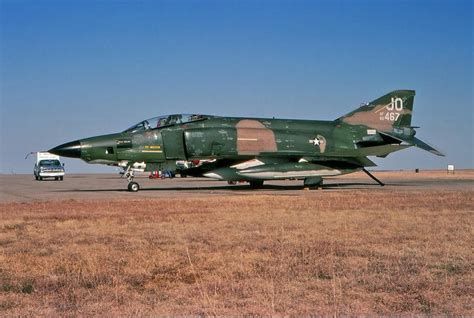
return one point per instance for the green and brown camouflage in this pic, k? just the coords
(257, 149)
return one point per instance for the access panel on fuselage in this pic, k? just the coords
(210, 142)
(173, 142)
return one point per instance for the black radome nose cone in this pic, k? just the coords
(70, 149)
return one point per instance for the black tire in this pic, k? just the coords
(40, 178)
(133, 187)
(56, 178)
(313, 183)
(36, 177)
(61, 178)
(256, 184)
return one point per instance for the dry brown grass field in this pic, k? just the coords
(378, 251)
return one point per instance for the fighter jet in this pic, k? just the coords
(256, 149)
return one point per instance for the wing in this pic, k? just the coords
(277, 168)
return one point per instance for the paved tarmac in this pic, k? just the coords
(24, 188)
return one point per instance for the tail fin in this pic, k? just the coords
(390, 115)
(385, 113)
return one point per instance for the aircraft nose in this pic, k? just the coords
(70, 149)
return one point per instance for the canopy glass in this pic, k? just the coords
(163, 121)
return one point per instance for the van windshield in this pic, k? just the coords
(49, 163)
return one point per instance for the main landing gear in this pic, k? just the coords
(256, 184)
(313, 183)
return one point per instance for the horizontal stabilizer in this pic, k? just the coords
(413, 141)
(423, 145)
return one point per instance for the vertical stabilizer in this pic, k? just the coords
(393, 110)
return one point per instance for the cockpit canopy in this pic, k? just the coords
(163, 121)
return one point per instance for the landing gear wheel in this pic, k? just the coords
(256, 184)
(56, 178)
(133, 187)
(40, 178)
(61, 178)
(313, 183)
(36, 177)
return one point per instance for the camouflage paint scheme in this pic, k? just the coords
(257, 149)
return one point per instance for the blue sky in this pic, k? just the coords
(74, 69)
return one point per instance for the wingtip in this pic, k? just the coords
(438, 153)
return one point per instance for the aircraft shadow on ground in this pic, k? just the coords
(333, 186)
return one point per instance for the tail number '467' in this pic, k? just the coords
(393, 110)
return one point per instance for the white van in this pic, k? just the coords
(48, 166)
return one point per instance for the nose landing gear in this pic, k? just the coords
(129, 174)
(133, 186)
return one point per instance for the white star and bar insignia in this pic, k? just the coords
(316, 141)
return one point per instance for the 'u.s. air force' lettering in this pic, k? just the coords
(394, 109)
